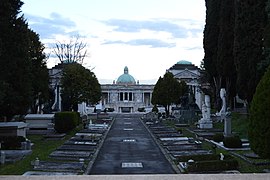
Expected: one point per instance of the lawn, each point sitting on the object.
(41, 149)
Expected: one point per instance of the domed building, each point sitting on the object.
(186, 71)
(126, 95)
(126, 78)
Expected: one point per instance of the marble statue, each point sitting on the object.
(57, 99)
(205, 122)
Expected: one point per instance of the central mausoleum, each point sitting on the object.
(126, 95)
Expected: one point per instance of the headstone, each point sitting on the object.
(2, 157)
(223, 114)
(13, 129)
(39, 123)
(205, 122)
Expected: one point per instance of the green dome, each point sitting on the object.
(184, 62)
(126, 78)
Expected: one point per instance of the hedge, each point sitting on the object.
(11, 142)
(217, 165)
(232, 142)
(218, 137)
(202, 157)
(66, 121)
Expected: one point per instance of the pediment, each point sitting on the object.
(186, 74)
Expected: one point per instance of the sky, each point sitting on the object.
(147, 36)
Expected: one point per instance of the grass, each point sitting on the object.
(239, 125)
(41, 149)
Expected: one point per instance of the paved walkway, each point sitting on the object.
(130, 149)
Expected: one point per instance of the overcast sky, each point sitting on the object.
(148, 36)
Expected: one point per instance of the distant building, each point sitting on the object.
(186, 71)
(126, 95)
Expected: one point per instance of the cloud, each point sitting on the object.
(48, 27)
(193, 48)
(131, 26)
(153, 43)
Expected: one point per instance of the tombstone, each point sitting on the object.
(2, 157)
(82, 109)
(223, 114)
(13, 129)
(57, 105)
(205, 122)
(39, 123)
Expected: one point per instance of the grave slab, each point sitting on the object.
(85, 143)
(76, 148)
(71, 154)
(175, 139)
(184, 148)
(191, 152)
(89, 134)
(42, 173)
(72, 167)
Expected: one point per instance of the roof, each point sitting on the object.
(126, 78)
(183, 64)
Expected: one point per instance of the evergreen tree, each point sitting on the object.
(210, 44)
(218, 46)
(78, 85)
(259, 120)
(15, 63)
(168, 91)
(225, 60)
(40, 76)
(250, 22)
(21, 61)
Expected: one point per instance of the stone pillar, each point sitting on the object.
(227, 127)
(2, 157)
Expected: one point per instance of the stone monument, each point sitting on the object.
(205, 122)
(223, 114)
(57, 106)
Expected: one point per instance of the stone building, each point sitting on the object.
(186, 71)
(126, 95)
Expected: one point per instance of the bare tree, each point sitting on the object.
(72, 51)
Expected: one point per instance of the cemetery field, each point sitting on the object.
(41, 149)
(240, 127)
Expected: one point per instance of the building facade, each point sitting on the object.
(126, 95)
(188, 72)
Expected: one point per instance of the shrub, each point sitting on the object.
(218, 137)
(110, 109)
(65, 121)
(155, 109)
(141, 109)
(216, 165)
(232, 142)
(259, 121)
(11, 142)
(202, 157)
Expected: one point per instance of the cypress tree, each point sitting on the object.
(250, 22)
(259, 121)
